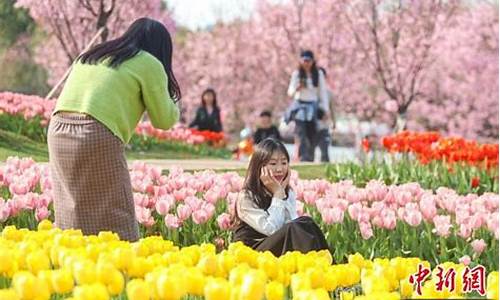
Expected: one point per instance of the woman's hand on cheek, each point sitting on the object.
(271, 184)
(286, 181)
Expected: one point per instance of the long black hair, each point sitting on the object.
(144, 34)
(314, 71)
(209, 91)
(260, 157)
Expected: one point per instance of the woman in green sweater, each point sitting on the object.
(107, 92)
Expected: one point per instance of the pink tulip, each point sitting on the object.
(355, 210)
(366, 230)
(389, 219)
(211, 196)
(180, 195)
(224, 221)
(163, 206)
(184, 212)
(200, 216)
(465, 231)
(194, 202)
(442, 224)
(465, 260)
(332, 215)
(428, 207)
(412, 215)
(172, 222)
(476, 221)
(143, 216)
(310, 197)
(42, 213)
(478, 246)
(4, 210)
(18, 188)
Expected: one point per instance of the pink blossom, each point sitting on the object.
(442, 224)
(224, 221)
(465, 260)
(478, 246)
(332, 215)
(143, 216)
(310, 197)
(163, 206)
(355, 210)
(171, 221)
(211, 196)
(200, 216)
(184, 212)
(41, 213)
(366, 230)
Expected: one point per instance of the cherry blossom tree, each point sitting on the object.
(70, 25)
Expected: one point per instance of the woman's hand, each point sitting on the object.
(286, 181)
(271, 184)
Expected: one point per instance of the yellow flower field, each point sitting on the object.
(55, 264)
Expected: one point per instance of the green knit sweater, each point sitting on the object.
(118, 97)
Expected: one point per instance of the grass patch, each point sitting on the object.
(13, 144)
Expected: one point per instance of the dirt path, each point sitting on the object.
(194, 164)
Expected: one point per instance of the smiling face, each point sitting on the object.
(278, 165)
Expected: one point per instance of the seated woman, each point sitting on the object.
(265, 214)
(208, 114)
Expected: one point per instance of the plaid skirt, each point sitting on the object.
(91, 182)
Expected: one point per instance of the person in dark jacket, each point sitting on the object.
(265, 128)
(208, 114)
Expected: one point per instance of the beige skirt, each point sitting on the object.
(91, 182)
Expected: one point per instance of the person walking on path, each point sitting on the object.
(308, 89)
(107, 92)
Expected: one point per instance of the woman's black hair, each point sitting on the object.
(144, 34)
(209, 91)
(261, 156)
(314, 71)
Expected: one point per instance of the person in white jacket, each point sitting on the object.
(308, 90)
(265, 216)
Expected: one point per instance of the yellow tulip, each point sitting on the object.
(84, 272)
(62, 281)
(236, 275)
(115, 283)
(25, 285)
(196, 282)
(96, 291)
(44, 225)
(269, 264)
(217, 289)
(208, 264)
(8, 294)
(37, 261)
(107, 236)
(357, 259)
(274, 291)
(317, 277)
(346, 296)
(300, 282)
(170, 287)
(45, 277)
(253, 285)
(8, 263)
(405, 288)
(137, 289)
(122, 258)
(330, 280)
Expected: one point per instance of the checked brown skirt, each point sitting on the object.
(91, 182)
